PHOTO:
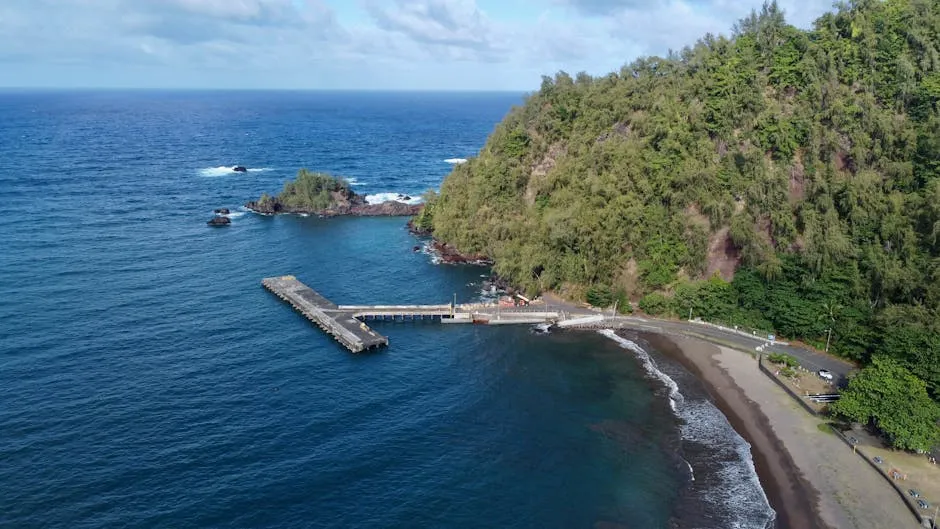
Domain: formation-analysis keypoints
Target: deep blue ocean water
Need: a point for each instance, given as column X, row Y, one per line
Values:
column 148, row 380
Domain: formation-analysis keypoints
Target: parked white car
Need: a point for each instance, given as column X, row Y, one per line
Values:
column 825, row 373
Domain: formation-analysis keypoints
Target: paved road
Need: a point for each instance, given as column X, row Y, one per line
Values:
column 809, row 359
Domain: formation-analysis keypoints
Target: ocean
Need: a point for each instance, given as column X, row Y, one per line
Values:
column 148, row 380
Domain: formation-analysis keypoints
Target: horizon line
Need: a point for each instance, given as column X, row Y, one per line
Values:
column 267, row 89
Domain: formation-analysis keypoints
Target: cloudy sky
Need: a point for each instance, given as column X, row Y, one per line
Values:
column 357, row 44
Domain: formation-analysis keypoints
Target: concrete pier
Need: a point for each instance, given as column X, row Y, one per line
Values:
column 341, row 325
column 343, row 321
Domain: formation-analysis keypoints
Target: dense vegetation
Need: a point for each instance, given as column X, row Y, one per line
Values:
column 309, row 191
column 889, row 397
column 781, row 179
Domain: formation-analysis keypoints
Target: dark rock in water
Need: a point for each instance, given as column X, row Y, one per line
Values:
column 451, row 255
column 222, row 211
column 240, row 169
column 416, row 249
column 406, row 197
column 497, row 283
column 219, row 221
column 351, row 204
column 389, row 208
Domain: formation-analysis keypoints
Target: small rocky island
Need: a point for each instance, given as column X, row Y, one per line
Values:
column 321, row 194
column 313, row 193
column 219, row 221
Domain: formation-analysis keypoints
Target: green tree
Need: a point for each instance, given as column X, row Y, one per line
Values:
column 805, row 163
column 311, row 191
column 424, row 220
column 890, row 398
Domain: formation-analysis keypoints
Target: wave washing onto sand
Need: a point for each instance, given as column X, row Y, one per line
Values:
column 675, row 398
column 224, row 170
column 456, row 161
column 737, row 492
column 379, row 198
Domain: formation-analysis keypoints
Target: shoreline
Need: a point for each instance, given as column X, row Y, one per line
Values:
column 793, row 498
column 809, row 476
column 389, row 208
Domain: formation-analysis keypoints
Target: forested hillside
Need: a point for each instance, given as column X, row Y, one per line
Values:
column 779, row 178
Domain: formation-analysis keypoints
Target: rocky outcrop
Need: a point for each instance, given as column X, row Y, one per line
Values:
column 494, row 282
column 446, row 253
column 354, row 205
column 324, row 195
column 390, row 208
column 240, row 169
column 417, row 230
column 450, row 255
column 219, row 221
column 222, row 211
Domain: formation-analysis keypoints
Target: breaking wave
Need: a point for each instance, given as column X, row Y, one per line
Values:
column 379, row 198
column 237, row 213
column 456, row 161
column 675, row 397
column 223, row 170
column 733, row 487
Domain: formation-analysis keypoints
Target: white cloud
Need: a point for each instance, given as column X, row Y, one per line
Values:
column 247, row 10
column 455, row 29
column 607, row 7
column 337, row 43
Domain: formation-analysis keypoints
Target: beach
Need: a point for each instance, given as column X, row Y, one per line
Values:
column 810, row 477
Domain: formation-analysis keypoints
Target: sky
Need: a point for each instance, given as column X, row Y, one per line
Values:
column 348, row 44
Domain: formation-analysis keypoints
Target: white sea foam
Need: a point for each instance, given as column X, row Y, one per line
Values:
column 223, row 170
column 379, row 198
column 456, row 161
column 216, row 171
column 233, row 214
column 542, row 328
column 738, row 493
column 675, row 397
column 354, row 182
column 435, row 257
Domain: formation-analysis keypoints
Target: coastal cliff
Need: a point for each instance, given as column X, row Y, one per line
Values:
column 328, row 196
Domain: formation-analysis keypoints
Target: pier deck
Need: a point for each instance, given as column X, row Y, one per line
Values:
column 346, row 329
column 343, row 321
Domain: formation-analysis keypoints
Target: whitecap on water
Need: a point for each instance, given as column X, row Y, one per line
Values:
column 223, row 170
column 456, row 161
column 379, row 198
column 233, row 214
